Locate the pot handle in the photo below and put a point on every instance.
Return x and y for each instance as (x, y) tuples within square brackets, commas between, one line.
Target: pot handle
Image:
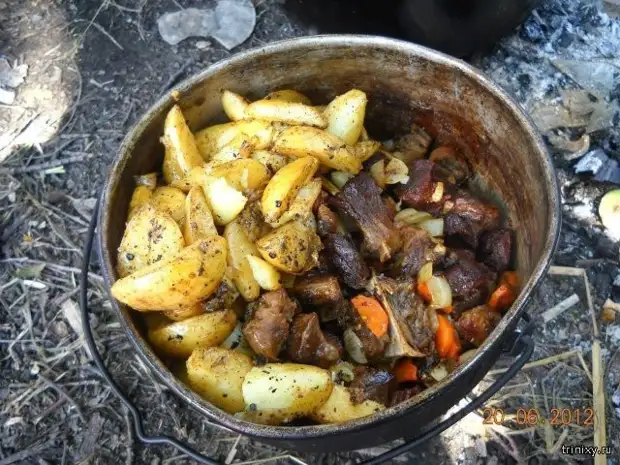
[(522, 346)]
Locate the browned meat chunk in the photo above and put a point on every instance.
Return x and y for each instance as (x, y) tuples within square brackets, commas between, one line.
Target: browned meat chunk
[(449, 166), (476, 324), (318, 291), (417, 323), (402, 395), (349, 318), (341, 250), (414, 145), (418, 191), (371, 384), (308, 344), (360, 200), (418, 248), (469, 217), (495, 249), (268, 326), (469, 280)]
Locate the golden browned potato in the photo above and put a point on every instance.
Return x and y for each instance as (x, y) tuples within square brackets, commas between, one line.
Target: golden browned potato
[(339, 407), (281, 392), (264, 273), (239, 248), (150, 236), (331, 151), (213, 138), (285, 112), (292, 248), (301, 207), (217, 375), (288, 95), (284, 185), (140, 197), (185, 313), (170, 200), (197, 176), (270, 160), (198, 219), (345, 115), (180, 338), (241, 146), (234, 105), (365, 149), (225, 201), (178, 283), (245, 175), (181, 153)]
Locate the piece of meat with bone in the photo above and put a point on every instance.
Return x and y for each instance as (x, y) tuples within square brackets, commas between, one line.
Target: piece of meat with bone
[(412, 324), (469, 217), (371, 384), (267, 326), (495, 249), (341, 250), (475, 325), (307, 343), (418, 249), (360, 199), (349, 319)]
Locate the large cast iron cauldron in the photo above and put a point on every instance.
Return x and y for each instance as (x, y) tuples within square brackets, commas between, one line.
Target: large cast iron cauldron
[(404, 83)]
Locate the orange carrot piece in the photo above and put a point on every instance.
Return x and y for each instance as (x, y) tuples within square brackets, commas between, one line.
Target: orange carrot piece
[(502, 298), (406, 371), (425, 292), (446, 340), (510, 278), (372, 314)]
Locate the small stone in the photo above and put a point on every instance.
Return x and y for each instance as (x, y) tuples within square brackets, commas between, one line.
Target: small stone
[(591, 162)]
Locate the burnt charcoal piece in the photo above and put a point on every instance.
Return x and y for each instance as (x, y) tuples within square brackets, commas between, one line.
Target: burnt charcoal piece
[(308, 344), (349, 318), (371, 384), (417, 250), (495, 249), (360, 200), (318, 291), (475, 325), (418, 191), (469, 217), (268, 328)]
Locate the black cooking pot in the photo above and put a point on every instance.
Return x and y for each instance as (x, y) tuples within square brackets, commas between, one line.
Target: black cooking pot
[(405, 83), (457, 27)]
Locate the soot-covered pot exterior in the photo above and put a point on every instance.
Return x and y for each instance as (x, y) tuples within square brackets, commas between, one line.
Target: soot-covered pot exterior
[(404, 83)]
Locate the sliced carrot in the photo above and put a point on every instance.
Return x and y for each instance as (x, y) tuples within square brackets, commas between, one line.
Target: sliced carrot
[(372, 314), (425, 292), (502, 298), (406, 371), (510, 278), (446, 340)]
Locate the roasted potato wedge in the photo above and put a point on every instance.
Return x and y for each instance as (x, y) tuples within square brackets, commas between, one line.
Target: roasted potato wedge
[(198, 219), (213, 138), (140, 197), (181, 149), (285, 112), (339, 407), (345, 115), (178, 283), (365, 149), (225, 201), (234, 105), (239, 248), (245, 175), (264, 273), (301, 207), (150, 236), (280, 392), (170, 200), (331, 151), (240, 147), (185, 313), (292, 248), (217, 375), (270, 160), (284, 185), (180, 338), (288, 95), (197, 176)]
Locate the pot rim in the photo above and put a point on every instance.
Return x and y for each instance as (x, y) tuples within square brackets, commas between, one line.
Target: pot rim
[(492, 342)]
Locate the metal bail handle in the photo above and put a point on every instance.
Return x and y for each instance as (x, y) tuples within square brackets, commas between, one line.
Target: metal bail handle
[(522, 347)]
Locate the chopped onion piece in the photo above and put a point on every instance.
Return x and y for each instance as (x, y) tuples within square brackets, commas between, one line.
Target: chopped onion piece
[(438, 193), (439, 372), (377, 171), (340, 178), (396, 172), (410, 216), (440, 291), (354, 346), (434, 226), (426, 272)]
